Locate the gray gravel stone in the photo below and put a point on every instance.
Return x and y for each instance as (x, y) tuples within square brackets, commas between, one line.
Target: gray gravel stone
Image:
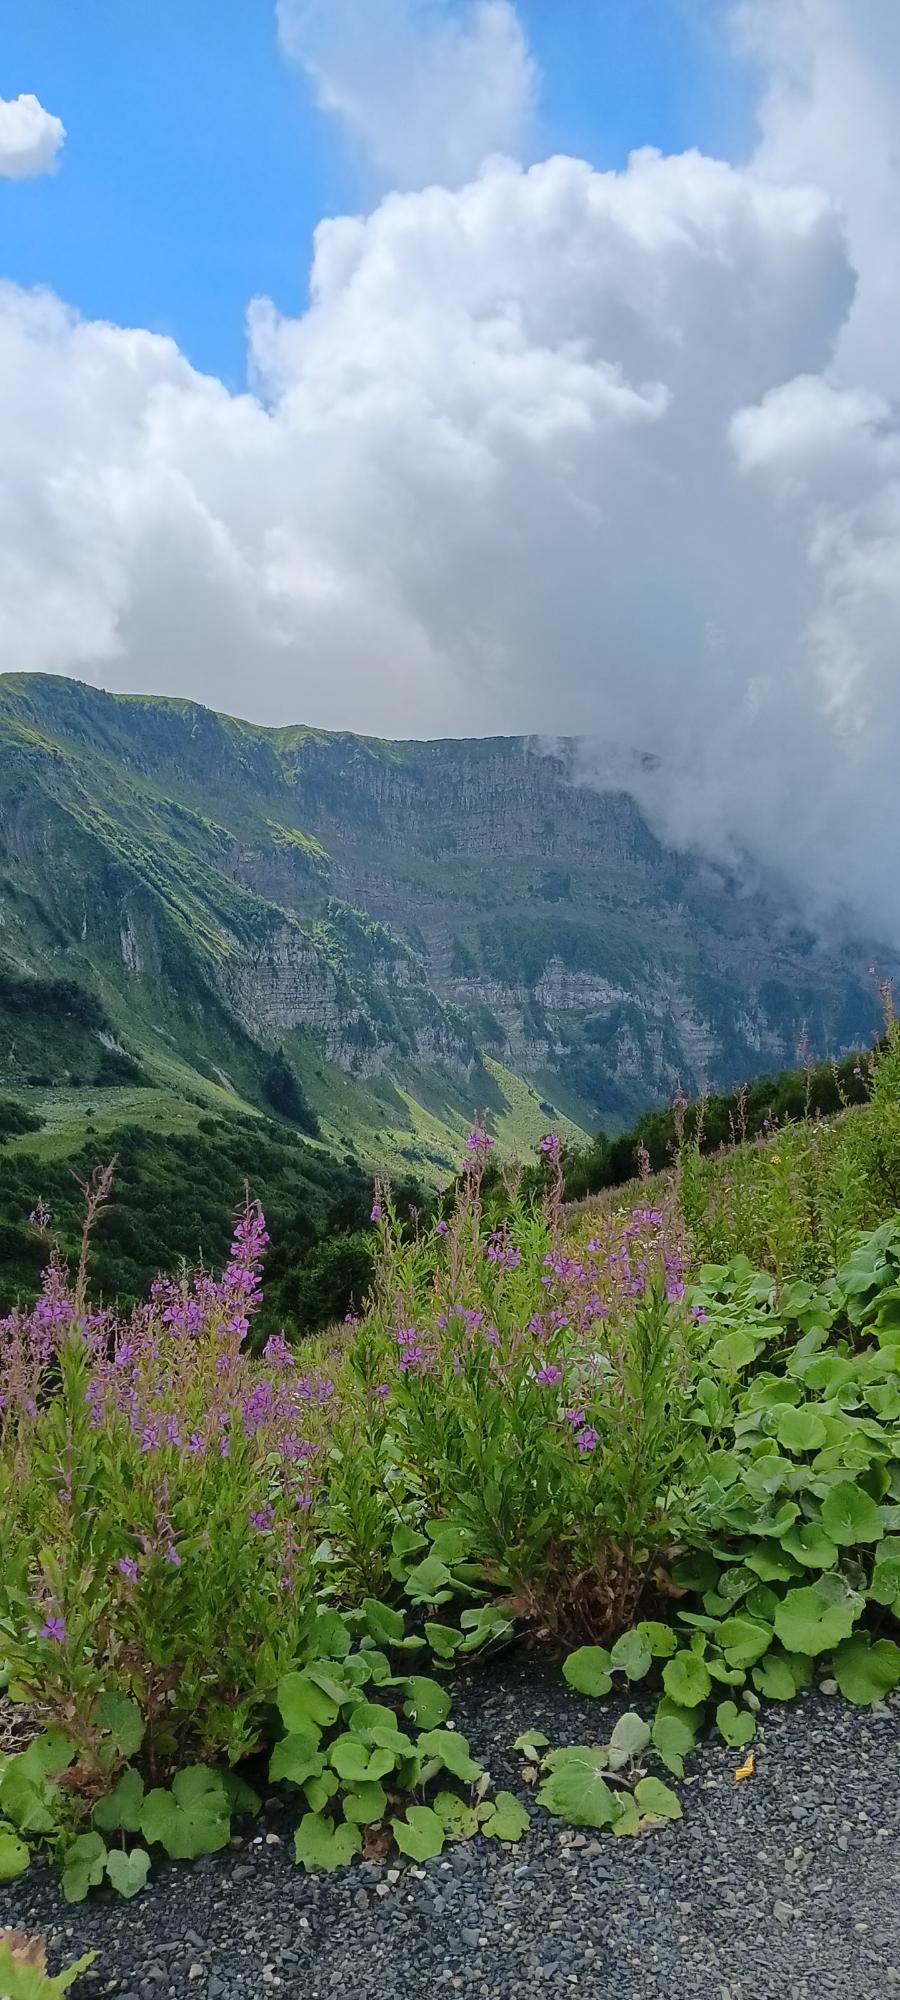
[(707, 1907)]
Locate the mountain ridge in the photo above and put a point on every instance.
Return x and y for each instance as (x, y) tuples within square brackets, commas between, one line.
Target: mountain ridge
[(421, 919)]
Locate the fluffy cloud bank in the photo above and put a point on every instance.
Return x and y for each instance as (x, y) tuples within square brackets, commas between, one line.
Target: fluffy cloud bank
[(553, 450), (30, 138)]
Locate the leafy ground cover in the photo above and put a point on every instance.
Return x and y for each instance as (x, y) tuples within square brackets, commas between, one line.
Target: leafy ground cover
[(660, 1440)]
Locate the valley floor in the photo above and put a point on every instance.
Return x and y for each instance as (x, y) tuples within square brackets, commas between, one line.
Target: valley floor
[(783, 1887)]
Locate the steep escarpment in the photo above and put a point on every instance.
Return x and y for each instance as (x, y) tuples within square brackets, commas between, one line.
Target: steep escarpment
[(405, 908)]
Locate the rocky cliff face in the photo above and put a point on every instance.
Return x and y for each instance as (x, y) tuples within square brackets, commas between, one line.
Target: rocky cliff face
[(404, 903), (285, 982)]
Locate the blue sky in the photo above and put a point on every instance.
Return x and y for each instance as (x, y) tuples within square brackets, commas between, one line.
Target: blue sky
[(196, 167)]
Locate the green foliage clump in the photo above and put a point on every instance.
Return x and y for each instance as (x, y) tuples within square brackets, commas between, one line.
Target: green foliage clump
[(285, 1095), (15, 1119), (663, 1439)]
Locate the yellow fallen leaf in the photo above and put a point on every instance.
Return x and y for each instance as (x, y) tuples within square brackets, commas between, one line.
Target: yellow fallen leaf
[(746, 1769)]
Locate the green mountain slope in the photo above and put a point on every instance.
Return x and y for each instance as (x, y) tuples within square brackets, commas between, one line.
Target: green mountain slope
[(425, 930)]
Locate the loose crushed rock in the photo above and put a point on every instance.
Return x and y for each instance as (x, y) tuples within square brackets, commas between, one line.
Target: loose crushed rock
[(783, 1887)]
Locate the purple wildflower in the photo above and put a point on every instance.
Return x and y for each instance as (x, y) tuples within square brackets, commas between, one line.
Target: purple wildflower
[(128, 1568), (549, 1376), (587, 1439), (55, 1629)]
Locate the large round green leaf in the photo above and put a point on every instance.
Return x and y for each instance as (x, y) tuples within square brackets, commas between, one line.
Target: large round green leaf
[(421, 1834), (507, 1819), (686, 1679), (733, 1351), (575, 1789), (800, 1430), (808, 1543), (849, 1515), (14, 1855), (886, 1579), (325, 1843), (426, 1702), (674, 1735), (366, 1804), (295, 1758), (779, 1675), (657, 1799), (866, 1672), (631, 1656), (588, 1670), (743, 1640), (452, 1751), (192, 1819), (806, 1623), (356, 1763), (736, 1725)]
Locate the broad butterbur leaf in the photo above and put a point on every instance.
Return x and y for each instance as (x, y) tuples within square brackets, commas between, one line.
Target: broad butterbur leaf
[(320, 1788), (356, 1763), (779, 1675), (736, 1725), (451, 1751), (120, 1810), (631, 1656), (660, 1640), (330, 1639), (806, 1622), (444, 1640), (303, 1703), (296, 1757), (587, 1670), (575, 1789), (420, 1834), (325, 1843), (191, 1819), (808, 1544), (628, 1740), (531, 1743), (866, 1671), (801, 1429), (366, 1804), (83, 1865), (686, 1679), (507, 1820), (426, 1702), (673, 1738), (743, 1640), (849, 1515), (653, 1797), (458, 1819)]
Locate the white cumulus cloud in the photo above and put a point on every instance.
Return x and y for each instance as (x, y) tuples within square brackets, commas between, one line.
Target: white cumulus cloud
[(551, 450), (427, 88), (30, 138)]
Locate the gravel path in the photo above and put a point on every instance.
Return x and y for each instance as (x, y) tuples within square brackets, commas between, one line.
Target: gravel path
[(784, 1887)]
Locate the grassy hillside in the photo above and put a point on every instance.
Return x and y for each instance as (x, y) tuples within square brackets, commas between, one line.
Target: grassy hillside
[(404, 909)]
